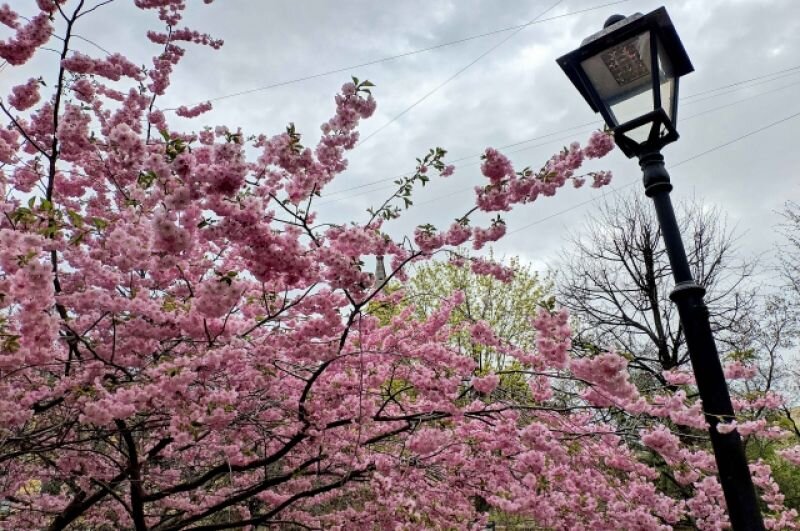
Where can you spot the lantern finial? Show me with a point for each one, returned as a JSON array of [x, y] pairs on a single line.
[[613, 19]]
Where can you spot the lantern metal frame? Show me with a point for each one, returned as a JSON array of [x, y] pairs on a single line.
[[662, 39]]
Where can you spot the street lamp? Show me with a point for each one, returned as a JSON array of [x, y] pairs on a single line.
[[629, 73]]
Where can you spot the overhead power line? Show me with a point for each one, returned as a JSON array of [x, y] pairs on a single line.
[[696, 115], [350, 68], [722, 91], [328, 197], [463, 69], [592, 126], [386, 179], [742, 81], [673, 166]]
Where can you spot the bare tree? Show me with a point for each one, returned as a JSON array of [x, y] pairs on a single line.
[[615, 278], [789, 278], [789, 256]]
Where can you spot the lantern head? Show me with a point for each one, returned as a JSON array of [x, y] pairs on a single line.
[[629, 73]]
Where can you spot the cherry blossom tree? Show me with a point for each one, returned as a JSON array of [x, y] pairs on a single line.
[[184, 345]]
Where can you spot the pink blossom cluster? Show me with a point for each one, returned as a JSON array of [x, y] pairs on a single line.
[[791, 454], [496, 166], [192, 112], [20, 48], [482, 333], [600, 178], [428, 240], [599, 145], [49, 5], [112, 67], [678, 377], [744, 428], [186, 35], [162, 68], [609, 378], [9, 144], [216, 297], [25, 96], [754, 401], [553, 337], [676, 407], [736, 370], [507, 188], [707, 507], [481, 236], [168, 236], [185, 343], [458, 233], [481, 266], [8, 17], [169, 11], [83, 89], [779, 516], [486, 384], [663, 441]]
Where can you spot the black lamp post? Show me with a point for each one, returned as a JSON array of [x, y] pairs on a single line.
[[629, 73]]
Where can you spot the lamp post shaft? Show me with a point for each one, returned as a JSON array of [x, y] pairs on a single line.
[[687, 295]]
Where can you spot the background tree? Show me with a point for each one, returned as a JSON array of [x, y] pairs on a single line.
[[615, 279], [507, 307], [789, 255]]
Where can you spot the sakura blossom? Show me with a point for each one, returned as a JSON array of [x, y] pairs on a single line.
[[186, 344]]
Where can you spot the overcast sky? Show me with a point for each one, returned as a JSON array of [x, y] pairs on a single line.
[[514, 93]]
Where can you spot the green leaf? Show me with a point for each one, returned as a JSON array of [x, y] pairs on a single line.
[[75, 218], [147, 178], [99, 223], [77, 239], [23, 214], [11, 343]]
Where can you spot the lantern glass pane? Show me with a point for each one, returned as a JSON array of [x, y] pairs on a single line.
[[666, 80], [622, 77], [640, 134]]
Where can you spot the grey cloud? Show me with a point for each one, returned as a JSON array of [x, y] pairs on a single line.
[[516, 92]]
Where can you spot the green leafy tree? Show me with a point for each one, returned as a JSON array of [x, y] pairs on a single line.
[[507, 308]]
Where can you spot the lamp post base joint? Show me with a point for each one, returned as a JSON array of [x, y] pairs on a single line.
[[685, 289]]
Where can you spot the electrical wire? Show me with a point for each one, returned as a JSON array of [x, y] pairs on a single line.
[[741, 82], [575, 129], [458, 73], [739, 87], [399, 56], [393, 186], [673, 166], [593, 123], [696, 115]]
